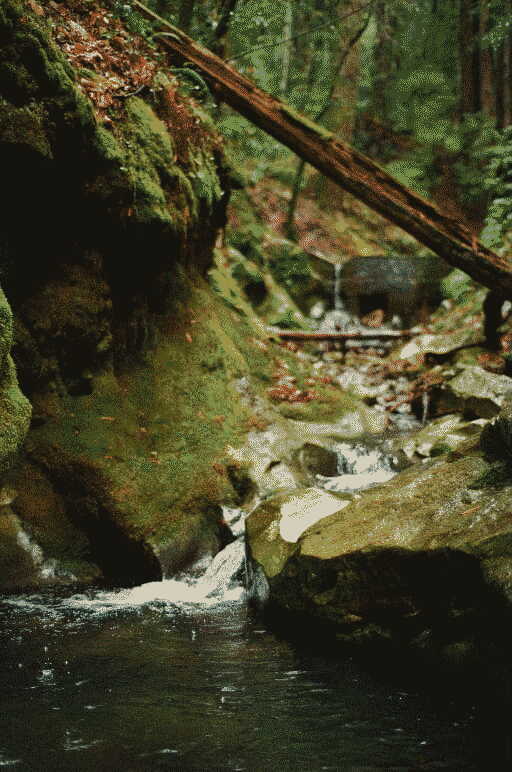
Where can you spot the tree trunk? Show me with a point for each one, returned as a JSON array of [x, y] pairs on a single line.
[[506, 73], [222, 29], [341, 336], [487, 96], [469, 57], [287, 48], [353, 171], [384, 59], [186, 14]]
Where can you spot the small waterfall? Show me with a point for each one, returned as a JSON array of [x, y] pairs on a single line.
[[223, 581], [338, 300], [425, 404]]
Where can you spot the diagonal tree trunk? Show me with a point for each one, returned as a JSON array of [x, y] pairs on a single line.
[[353, 171]]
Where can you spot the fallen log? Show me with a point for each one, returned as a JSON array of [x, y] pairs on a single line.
[[340, 336], [353, 171]]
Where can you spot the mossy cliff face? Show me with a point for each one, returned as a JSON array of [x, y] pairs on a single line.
[[125, 354]]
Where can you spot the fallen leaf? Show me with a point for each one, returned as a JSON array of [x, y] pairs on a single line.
[[36, 8]]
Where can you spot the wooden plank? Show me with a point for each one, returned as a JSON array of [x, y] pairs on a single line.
[[353, 171], [340, 336]]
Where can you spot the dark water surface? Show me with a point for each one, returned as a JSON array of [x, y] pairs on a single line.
[[89, 684]]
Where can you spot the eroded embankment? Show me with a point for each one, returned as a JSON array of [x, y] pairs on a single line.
[[127, 357]]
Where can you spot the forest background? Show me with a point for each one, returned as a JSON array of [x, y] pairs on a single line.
[[422, 86]]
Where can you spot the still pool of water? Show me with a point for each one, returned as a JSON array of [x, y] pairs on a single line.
[[133, 681]]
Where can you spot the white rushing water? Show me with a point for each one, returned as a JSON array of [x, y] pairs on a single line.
[[211, 583], [359, 468]]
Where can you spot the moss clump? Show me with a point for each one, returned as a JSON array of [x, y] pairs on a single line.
[[14, 407], [15, 414], [440, 449], [24, 126], [329, 403], [6, 330], [497, 475]]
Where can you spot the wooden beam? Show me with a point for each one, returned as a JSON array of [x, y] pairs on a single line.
[[340, 336], [353, 171]]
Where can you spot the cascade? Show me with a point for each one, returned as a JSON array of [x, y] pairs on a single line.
[[338, 300]]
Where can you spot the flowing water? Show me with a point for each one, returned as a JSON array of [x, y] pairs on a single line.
[[179, 675]]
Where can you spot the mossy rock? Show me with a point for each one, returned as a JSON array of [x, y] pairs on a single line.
[[15, 412], [421, 552]]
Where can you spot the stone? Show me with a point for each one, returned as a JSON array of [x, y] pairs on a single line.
[[397, 285], [440, 435], [274, 528], [315, 459], [420, 553], [441, 344], [496, 438], [474, 391]]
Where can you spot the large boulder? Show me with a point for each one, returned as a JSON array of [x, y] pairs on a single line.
[[475, 392], [396, 284], [424, 560]]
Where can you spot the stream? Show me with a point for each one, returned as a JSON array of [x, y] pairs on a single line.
[[146, 683], [181, 674]]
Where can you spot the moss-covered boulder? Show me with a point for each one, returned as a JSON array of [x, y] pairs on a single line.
[[423, 561]]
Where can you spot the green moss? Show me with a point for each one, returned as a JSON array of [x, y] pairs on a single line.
[[43, 513], [440, 449], [305, 122], [204, 178], [15, 414], [6, 330], [497, 475], [151, 132], [108, 147], [24, 125], [329, 404], [16, 565]]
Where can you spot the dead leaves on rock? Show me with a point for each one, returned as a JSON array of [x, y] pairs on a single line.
[[111, 63]]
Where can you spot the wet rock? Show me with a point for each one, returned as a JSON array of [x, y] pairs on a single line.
[[441, 344], [496, 439], [398, 285], [421, 557], [440, 436], [273, 459], [315, 459], [275, 527], [474, 392]]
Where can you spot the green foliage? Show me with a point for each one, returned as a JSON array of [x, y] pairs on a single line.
[[471, 140], [498, 181], [456, 285], [286, 321]]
